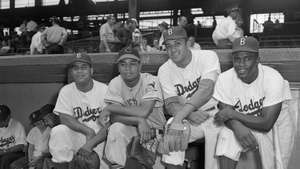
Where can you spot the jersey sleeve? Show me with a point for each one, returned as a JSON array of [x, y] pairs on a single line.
[[63, 103], [167, 87], [32, 136], [113, 94], [152, 90], [212, 64], [20, 134], [274, 93], [222, 91]]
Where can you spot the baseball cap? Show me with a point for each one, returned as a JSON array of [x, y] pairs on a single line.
[[41, 113], [4, 112], [245, 44], [164, 24], [176, 32], [81, 57], [130, 53]]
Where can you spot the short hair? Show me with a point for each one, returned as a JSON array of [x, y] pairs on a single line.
[[4, 112]]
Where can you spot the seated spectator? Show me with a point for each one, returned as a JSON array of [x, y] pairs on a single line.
[[54, 37], [145, 47], [12, 138], [156, 45], [228, 29], [125, 32], [36, 46], [135, 105], [192, 44], [162, 27]]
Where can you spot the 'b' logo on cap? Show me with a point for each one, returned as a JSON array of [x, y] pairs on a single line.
[[170, 31], [242, 41]]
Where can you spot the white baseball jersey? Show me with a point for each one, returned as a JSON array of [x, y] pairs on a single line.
[[39, 140], [12, 135], [268, 89], [148, 88], [176, 81], [85, 107]]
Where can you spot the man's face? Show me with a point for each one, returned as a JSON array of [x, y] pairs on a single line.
[[81, 72], [112, 21], [5, 122], [129, 69], [245, 65], [177, 50], [183, 21]]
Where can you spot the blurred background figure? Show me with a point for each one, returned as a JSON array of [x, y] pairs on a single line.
[[192, 44], [107, 37], [36, 46], [228, 29], [162, 27]]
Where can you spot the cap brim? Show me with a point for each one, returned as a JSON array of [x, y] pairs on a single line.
[[244, 50], [128, 56], [79, 60]]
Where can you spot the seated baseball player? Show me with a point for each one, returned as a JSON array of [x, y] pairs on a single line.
[[135, 105], [12, 138], [79, 105], [187, 80], [250, 97]]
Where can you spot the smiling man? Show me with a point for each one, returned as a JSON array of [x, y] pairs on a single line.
[[79, 106], [250, 96], [135, 104], [187, 81]]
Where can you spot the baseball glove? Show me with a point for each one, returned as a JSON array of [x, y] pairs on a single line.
[[176, 137], [85, 160]]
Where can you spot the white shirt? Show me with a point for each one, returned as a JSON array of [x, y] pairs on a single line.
[[196, 46], [39, 140], [36, 43], [106, 32], [148, 88], [176, 81], [12, 135], [85, 107], [268, 89]]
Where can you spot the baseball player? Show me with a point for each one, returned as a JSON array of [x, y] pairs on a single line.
[[250, 96], [187, 80], [79, 105], [135, 104], [12, 138]]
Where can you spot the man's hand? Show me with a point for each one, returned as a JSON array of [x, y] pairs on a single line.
[[224, 115], [197, 117], [244, 136], [104, 118], [144, 130]]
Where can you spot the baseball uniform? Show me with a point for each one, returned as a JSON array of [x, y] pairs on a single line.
[[85, 107], [120, 135], [247, 99], [184, 82]]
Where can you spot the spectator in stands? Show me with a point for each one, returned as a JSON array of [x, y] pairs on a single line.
[[192, 44], [268, 25], [36, 46], [31, 28], [107, 37], [156, 44], [145, 47], [277, 26], [162, 27], [182, 21], [124, 32], [228, 29], [54, 37], [12, 138]]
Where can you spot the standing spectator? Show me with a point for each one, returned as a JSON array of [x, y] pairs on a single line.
[[192, 44], [182, 21], [162, 27], [36, 46], [228, 29], [54, 38], [107, 37], [12, 138], [79, 105]]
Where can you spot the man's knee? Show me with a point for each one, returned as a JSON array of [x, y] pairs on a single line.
[[117, 130], [60, 129]]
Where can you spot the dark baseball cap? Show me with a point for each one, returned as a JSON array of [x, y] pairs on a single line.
[[4, 112], [81, 57], [245, 44], [176, 32], [41, 113], [130, 53], [164, 24]]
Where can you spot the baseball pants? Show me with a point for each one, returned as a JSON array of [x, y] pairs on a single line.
[[65, 142]]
